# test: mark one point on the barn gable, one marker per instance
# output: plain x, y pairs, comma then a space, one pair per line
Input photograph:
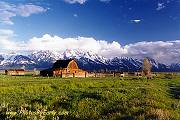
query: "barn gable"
72, 65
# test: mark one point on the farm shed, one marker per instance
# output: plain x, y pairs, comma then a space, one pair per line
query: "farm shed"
64, 68
15, 72
46, 73
133, 73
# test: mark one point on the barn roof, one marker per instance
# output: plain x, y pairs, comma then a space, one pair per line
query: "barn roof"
61, 64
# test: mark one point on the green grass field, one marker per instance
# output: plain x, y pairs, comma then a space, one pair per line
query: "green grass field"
27, 97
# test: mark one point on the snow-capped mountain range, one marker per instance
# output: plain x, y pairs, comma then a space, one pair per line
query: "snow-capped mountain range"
86, 60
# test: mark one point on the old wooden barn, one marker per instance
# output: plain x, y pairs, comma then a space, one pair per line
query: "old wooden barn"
15, 72
64, 68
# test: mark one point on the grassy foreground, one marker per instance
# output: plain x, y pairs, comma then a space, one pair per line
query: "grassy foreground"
108, 98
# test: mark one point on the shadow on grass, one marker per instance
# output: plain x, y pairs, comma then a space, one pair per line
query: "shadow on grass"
175, 91
95, 96
38, 101
64, 103
3, 115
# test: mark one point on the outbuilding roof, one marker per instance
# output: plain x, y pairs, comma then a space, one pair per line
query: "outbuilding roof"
15, 70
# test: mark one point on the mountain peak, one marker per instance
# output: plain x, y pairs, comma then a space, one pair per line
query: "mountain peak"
86, 59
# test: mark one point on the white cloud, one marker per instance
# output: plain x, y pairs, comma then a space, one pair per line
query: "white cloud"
136, 21
6, 32
104, 0
75, 1
5, 17
28, 9
163, 51
101, 47
75, 15
5, 39
82, 1
7, 11
160, 6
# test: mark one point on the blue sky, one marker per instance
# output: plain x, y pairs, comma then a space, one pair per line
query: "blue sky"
111, 20
127, 22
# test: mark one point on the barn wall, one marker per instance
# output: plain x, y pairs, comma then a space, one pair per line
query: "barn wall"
21, 73
70, 73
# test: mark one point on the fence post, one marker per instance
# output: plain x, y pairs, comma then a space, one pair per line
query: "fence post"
85, 74
114, 74
61, 74
48, 76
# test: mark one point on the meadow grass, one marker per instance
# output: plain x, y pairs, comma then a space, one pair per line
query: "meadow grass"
27, 97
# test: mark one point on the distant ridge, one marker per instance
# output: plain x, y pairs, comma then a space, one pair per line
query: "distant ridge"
87, 60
